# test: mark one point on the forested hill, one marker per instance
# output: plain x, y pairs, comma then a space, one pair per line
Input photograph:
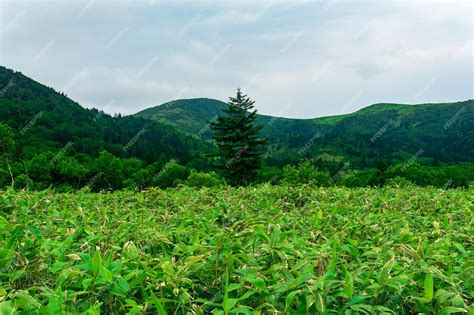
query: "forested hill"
48, 121
189, 115
395, 132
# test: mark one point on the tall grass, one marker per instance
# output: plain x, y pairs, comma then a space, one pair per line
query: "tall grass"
270, 249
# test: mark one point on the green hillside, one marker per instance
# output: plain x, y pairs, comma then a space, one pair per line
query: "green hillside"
58, 142
48, 120
187, 115
381, 131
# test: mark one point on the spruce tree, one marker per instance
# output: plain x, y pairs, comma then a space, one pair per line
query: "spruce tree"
238, 140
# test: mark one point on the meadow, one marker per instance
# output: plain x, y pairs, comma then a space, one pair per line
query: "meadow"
255, 250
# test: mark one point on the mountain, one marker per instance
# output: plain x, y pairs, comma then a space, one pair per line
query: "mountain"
46, 120
394, 132
189, 116
48, 140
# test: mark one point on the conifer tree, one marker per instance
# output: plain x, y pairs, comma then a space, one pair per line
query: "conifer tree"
238, 140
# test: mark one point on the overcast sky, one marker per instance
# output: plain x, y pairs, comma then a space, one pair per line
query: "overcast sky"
294, 58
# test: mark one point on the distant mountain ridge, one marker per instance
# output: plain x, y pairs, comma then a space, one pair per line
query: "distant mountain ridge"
444, 131
180, 130
46, 120
188, 115
191, 115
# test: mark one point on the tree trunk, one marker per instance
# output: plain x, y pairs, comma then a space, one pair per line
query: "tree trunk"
10, 171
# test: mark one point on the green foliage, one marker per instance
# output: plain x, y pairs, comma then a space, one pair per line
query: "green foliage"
265, 249
6, 146
172, 174
59, 139
446, 176
191, 116
398, 182
362, 178
6, 138
238, 141
382, 131
201, 179
441, 176
48, 140
306, 172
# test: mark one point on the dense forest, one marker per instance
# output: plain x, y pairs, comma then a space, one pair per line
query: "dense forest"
49, 140
382, 131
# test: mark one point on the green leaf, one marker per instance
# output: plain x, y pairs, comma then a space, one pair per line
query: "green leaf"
160, 309
355, 301
320, 302
257, 282
385, 273
86, 283
6, 257
429, 290
442, 296
122, 284
130, 250
457, 301
106, 274
451, 310
235, 286
241, 310
289, 299
95, 309
131, 302
320, 214
24, 300
229, 304
96, 263
6, 308
55, 304
247, 295
460, 248
348, 283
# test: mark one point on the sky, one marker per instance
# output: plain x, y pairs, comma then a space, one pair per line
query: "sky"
299, 59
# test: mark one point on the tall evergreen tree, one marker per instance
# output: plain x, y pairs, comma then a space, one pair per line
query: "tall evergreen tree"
238, 140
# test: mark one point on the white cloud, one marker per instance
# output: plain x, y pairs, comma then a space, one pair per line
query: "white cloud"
315, 55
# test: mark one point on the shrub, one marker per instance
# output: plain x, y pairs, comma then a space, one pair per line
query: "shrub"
22, 181
305, 173
399, 182
201, 179
362, 178
172, 174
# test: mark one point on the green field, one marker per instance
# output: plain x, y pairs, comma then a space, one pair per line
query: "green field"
279, 249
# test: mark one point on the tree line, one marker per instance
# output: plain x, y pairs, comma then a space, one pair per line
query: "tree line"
239, 159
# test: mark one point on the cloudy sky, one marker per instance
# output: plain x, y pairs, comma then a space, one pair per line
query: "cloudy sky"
294, 58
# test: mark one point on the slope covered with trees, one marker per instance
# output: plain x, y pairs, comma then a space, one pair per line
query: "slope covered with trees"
58, 141
46, 140
394, 132
191, 116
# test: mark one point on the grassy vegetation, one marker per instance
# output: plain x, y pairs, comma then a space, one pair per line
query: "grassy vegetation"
237, 250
